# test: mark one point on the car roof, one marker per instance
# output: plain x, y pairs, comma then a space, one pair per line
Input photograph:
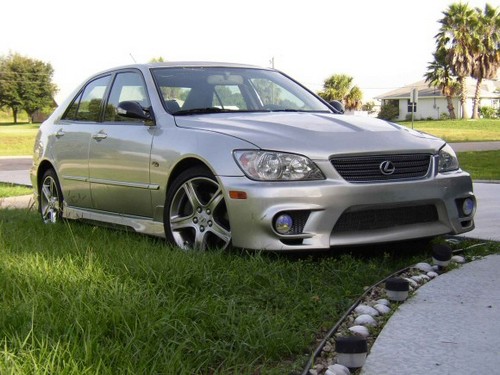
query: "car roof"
184, 64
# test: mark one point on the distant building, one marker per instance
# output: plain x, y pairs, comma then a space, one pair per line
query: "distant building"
432, 103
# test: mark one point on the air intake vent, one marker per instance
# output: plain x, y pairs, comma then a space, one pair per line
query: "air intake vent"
373, 219
382, 168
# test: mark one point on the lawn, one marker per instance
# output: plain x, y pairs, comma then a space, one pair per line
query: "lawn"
484, 165
11, 190
82, 299
460, 130
87, 299
16, 140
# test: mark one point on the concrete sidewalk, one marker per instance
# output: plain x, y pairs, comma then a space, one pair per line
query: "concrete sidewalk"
450, 326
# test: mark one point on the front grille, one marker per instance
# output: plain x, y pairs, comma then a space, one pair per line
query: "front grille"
385, 218
369, 168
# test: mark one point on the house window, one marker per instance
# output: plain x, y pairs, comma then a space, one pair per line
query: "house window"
412, 107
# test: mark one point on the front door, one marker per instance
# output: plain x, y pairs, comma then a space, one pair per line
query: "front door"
119, 155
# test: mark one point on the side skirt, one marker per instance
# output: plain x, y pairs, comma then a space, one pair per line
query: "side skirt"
138, 224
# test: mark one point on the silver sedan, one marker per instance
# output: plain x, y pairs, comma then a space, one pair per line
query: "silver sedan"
211, 155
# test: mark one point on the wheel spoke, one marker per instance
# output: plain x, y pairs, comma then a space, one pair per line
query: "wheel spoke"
181, 222
217, 198
221, 233
191, 195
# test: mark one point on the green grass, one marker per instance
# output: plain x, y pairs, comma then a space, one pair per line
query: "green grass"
460, 130
11, 190
17, 139
80, 299
484, 165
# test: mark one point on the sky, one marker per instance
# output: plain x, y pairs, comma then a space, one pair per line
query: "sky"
382, 44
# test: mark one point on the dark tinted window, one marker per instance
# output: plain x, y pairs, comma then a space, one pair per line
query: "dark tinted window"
127, 86
87, 105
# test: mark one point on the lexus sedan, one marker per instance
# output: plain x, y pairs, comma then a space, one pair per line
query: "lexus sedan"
211, 155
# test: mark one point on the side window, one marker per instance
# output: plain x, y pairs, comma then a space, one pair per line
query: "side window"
87, 105
127, 86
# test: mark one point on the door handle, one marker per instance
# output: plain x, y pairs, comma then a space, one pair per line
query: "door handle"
59, 133
100, 136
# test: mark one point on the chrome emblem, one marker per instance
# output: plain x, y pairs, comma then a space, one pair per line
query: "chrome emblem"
387, 168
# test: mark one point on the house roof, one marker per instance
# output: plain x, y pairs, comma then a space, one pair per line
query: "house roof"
489, 89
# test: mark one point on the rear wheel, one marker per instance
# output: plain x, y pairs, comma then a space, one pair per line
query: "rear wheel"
50, 197
195, 214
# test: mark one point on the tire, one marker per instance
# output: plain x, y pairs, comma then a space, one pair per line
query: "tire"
50, 199
195, 214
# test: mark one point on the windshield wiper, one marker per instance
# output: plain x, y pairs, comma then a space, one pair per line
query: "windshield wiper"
194, 111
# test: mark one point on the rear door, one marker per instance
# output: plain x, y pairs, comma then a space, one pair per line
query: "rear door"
71, 137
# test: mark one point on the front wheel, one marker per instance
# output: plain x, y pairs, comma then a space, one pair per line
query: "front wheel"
195, 214
50, 197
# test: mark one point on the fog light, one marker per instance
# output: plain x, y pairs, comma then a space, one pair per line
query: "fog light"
468, 206
283, 224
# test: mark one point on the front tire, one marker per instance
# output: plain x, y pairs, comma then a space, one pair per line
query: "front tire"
50, 198
195, 214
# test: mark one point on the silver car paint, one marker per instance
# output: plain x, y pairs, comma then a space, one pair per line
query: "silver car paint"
128, 187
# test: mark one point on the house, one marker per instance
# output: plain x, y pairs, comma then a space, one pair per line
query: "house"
432, 104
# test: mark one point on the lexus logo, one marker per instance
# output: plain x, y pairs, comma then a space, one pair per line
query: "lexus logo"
387, 168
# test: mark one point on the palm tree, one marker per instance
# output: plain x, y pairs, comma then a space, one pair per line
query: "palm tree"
487, 59
339, 87
439, 75
458, 35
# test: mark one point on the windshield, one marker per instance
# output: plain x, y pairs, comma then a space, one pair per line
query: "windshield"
211, 90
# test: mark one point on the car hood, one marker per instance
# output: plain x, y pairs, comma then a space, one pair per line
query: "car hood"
315, 135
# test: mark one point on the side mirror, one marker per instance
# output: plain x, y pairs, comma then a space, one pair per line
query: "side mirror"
134, 110
337, 107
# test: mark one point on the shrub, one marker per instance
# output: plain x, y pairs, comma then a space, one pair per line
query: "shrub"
487, 112
388, 112
444, 116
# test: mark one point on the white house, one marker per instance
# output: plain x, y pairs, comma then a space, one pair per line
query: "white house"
431, 103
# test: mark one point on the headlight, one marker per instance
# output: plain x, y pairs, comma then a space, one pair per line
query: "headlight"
447, 159
276, 166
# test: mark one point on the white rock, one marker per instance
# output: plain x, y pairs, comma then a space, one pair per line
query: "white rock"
424, 267
383, 309
365, 320
458, 259
383, 301
365, 309
360, 330
432, 274
417, 278
425, 277
337, 370
413, 283
313, 372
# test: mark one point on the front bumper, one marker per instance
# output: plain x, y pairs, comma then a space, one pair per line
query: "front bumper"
328, 201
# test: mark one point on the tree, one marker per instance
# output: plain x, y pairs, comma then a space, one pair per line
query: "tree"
439, 75
487, 52
340, 87
157, 60
458, 35
25, 84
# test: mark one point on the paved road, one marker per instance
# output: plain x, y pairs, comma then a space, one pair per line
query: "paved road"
15, 169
